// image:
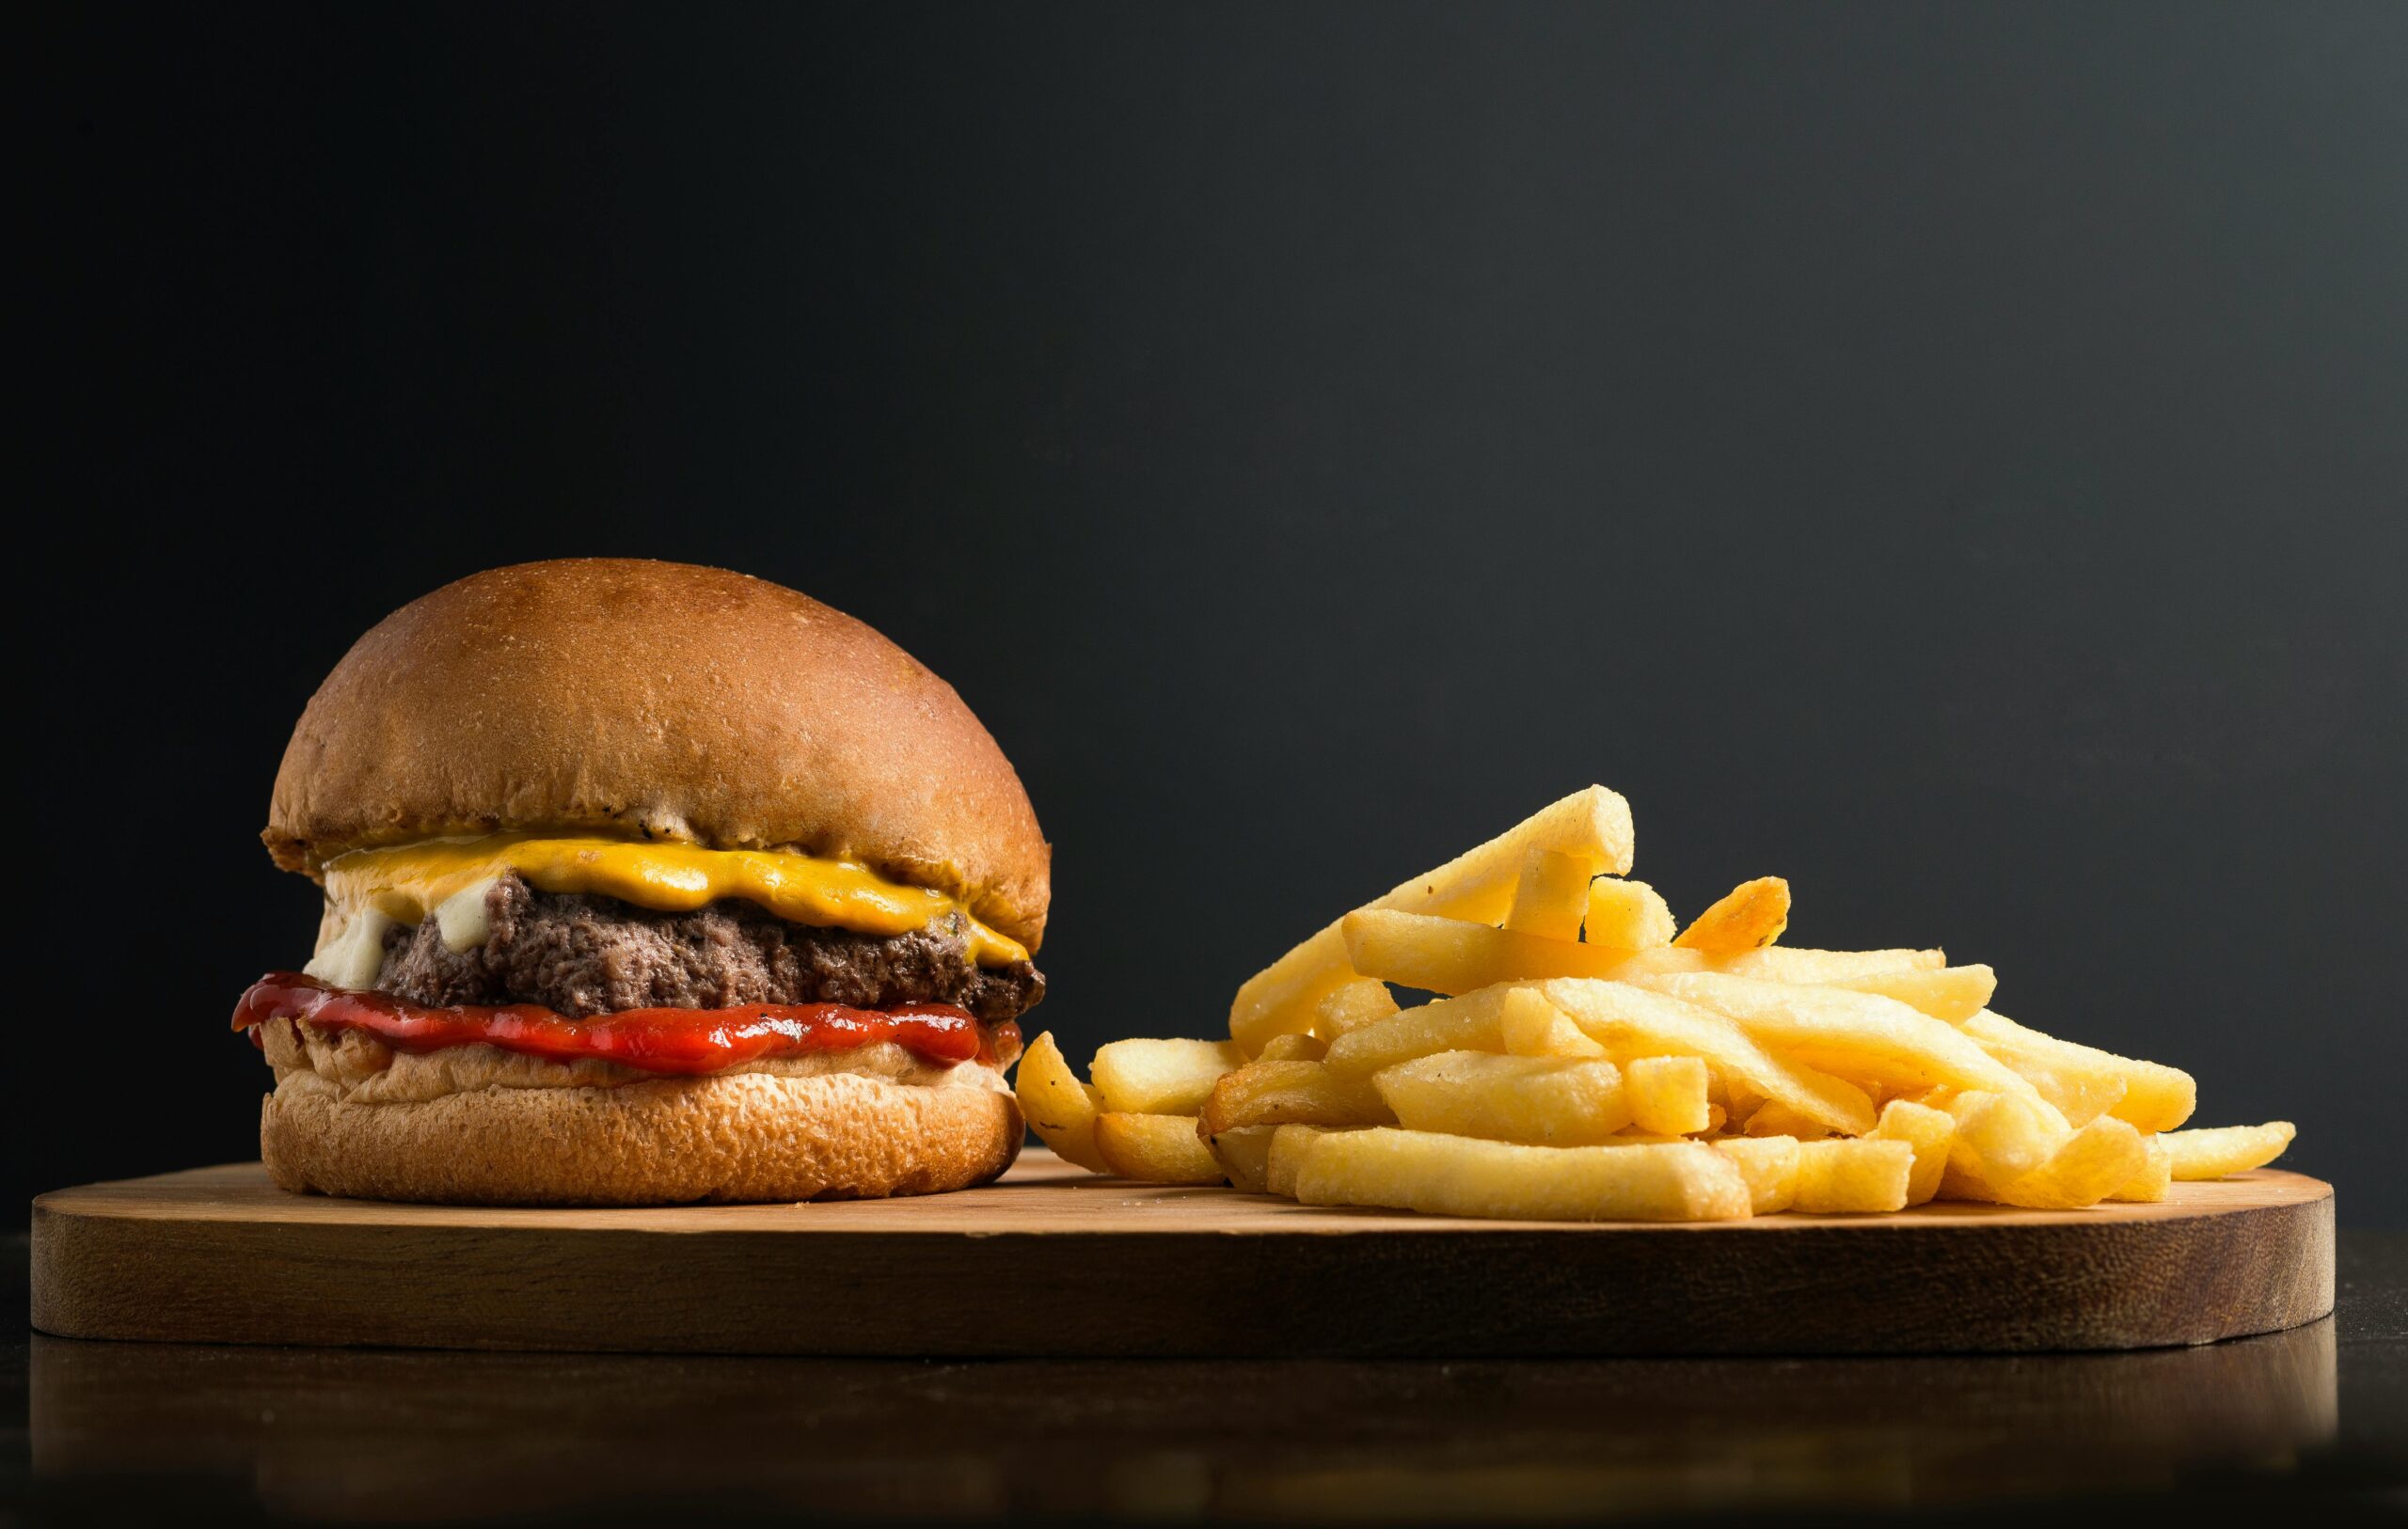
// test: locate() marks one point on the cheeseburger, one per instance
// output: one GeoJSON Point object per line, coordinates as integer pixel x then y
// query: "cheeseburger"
{"type": "Point", "coordinates": [645, 883]}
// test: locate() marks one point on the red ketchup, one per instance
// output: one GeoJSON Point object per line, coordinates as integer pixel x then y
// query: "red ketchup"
{"type": "Point", "coordinates": [683, 1041]}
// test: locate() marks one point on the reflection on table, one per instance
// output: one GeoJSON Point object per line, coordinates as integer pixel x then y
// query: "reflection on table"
{"type": "Point", "coordinates": [388, 1434]}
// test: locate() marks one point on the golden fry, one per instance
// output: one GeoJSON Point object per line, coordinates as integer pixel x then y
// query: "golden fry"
{"type": "Point", "coordinates": [1459, 1175]}
{"type": "Point", "coordinates": [1160, 1149]}
{"type": "Point", "coordinates": [1351, 1005]}
{"type": "Point", "coordinates": [1058, 1108]}
{"type": "Point", "coordinates": [1288, 1144]}
{"type": "Point", "coordinates": [1444, 956]}
{"type": "Point", "coordinates": [1750, 914]}
{"type": "Point", "coordinates": [1950, 994]}
{"type": "Point", "coordinates": [1477, 885]}
{"type": "Point", "coordinates": [1291, 1092]}
{"type": "Point", "coordinates": [1245, 1156]}
{"type": "Point", "coordinates": [1159, 1077]}
{"type": "Point", "coordinates": [2152, 1096]}
{"type": "Point", "coordinates": [1633, 1021]}
{"type": "Point", "coordinates": [1769, 1164]}
{"type": "Point", "coordinates": [1626, 914]}
{"type": "Point", "coordinates": [1930, 1132]}
{"type": "Point", "coordinates": [1866, 1176]}
{"type": "Point", "coordinates": [1667, 1094]}
{"type": "Point", "coordinates": [2214, 1152]}
{"type": "Point", "coordinates": [1552, 897]}
{"type": "Point", "coordinates": [1545, 1101]}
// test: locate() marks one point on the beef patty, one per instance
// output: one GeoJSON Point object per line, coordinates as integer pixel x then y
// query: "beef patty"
{"type": "Point", "coordinates": [583, 956]}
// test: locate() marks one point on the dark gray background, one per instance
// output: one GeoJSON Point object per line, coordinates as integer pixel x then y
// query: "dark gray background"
{"type": "Point", "coordinates": [1951, 456]}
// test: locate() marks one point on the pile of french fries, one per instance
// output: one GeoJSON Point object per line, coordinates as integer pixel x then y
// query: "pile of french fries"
{"type": "Point", "coordinates": [1587, 1060]}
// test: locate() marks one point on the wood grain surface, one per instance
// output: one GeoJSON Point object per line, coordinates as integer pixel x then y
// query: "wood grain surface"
{"type": "Point", "coordinates": [1052, 1262]}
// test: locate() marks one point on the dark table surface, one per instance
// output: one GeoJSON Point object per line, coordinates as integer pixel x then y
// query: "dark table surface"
{"type": "Point", "coordinates": [2313, 1420]}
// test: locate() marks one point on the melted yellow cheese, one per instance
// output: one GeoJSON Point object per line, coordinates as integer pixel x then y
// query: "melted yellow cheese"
{"type": "Point", "coordinates": [413, 882]}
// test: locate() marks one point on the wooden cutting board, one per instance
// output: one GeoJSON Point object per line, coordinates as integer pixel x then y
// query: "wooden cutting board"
{"type": "Point", "coordinates": [1054, 1262]}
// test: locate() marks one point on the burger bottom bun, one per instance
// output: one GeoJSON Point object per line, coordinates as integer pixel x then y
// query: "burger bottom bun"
{"type": "Point", "coordinates": [739, 1137]}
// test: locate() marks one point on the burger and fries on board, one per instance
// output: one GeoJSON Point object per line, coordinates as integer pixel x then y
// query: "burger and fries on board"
{"type": "Point", "coordinates": [1584, 1058]}
{"type": "Point", "coordinates": [648, 884]}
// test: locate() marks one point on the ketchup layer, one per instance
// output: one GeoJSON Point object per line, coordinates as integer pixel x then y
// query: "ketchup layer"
{"type": "Point", "coordinates": [682, 1041]}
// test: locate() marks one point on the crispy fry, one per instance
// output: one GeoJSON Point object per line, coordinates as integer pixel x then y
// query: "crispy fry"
{"type": "Point", "coordinates": [1552, 897]}
{"type": "Point", "coordinates": [1351, 1005]}
{"type": "Point", "coordinates": [1160, 1149]}
{"type": "Point", "coordinates": [1288, 1144]}
{"type": "Point", "coordinates": [1626, 914]}
{"type": "Point", "coordinates": [2000, 1138]}
{"type": "Point", "coordinates": [1245, 1156]}
{"type": "Point", "coordinates": [1952, 994]}
{"type": "Point", "coordinates": [1930, 1132]}
{"type": "Point", "coordinates": [2154, 1098]}
{"type": "Point", "coordinates": [1631, 1022]}
{"type": "Point", "coordinates": [1769, 1164]}
{"type": "Point", "coordinates": [1547, 1101]}
{"type": "Point", "coordinates": [1161, 1078]}
{"type": "Point", "coordinates": [1469, 1023]}
{"type": "Point", "coordinates": [1458, 1175]}
{"type": "Point", "coordinates": [2093, 1163]}
{"type": "Point", "coordinates": [1750, 914]}
{"type": "Point", "coordinates": [2156, 1178]}
{"type": "Point", "coordinates": [1058, 1108]}
{"type": "Point", "coordinates": [1864, 1176]}
{"type": "Point", "coordinates": [1295, 1047]}
{"type": "Point", "coordinates": [1444, 956]}
{"type": "Point", "coordinates": [1477, 885]}
{"type": "Point", "coordinates": [2219, 1150]}
{"type": "Point", "coordinates": [1529, 1026]}
{"type": "Point", "coordinates": [1773, 1118]}
{"type": "Point", "coordinates": [1869, 1040]}
{"type": "Point", "coordinates": [1667, 1094]}
{"type": "Point", "coordinates": [1291, 1092]}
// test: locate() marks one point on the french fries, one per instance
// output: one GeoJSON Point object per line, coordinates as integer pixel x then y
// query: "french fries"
{"type": "Point", "coordinates": [1588, 1059]}
{"type": "Point", "coordinates": [1351, 1005]}
{"type": "Point", "coordinates": [1443, 956]}
{"type": "Point", "coordinates": [1637, 1021]}
{"type": "Point", "coordinates": [1476, 886]}
{"type": "Point", "coordinates": [1931, 1132]}
{"type": "Point", "coordinates": [1954, 993]}
{"type": "Point", "coordinates": [1291, 1094]}
{"type": "Point", "coordinates": [1160, 1149]}
{"type": "Point", "coordinates": [1667, 1094]}
{"type": "Point", "coordinates": [2155, 1180]}
{"type": "Point", "coordinates": [1626, 914]}
{"type": "Point", "coordinates": [1293, 1047]}
{"type": "Point", "coordinates": [1750, 914]}
{"type": "Point", "coordinates": [1457, 1175]}
{"type": "Point", "coordinates": [1545, 1101]}
{"type": "Point", "coordinates": [1852, 1176]}
{"type": "Point", "coordinates": [2225, 1149]}
{"type": "Point", "coordinates": [1529, 1026]}
{"type": "Point", "coordinates": [1159, 1077]}
{"type": "Point", "coordinates": [2150, 1094]}
{"type": "Point", "coordinates": [1552, 898]}
{"type": "Point", "coordinates": [1854, 1034]}
{"type": "Point", "coordinates": [1288, 1147]}
{"type": "Point", "coordinates": [1769, 1164]}
{"type": "Point", "coordinates": [1058, 1108]}
{"type": "Point", "coordinates": [1245, 1155]}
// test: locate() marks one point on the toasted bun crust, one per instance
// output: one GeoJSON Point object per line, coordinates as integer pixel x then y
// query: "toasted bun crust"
{"type": "Point", "coordinates": [680, 702]}
{"type": "Point", "coordinates": [745, 1137]}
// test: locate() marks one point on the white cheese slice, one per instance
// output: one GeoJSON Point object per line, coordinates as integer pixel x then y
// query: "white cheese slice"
{"type": "Point", "coordinates": [351, 951]}
{"type": "Point", "coordinates": [462, 917]}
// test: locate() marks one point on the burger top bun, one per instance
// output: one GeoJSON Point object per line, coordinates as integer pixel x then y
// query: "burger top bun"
{"type": "Point", "coordinates": [661, 699]}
